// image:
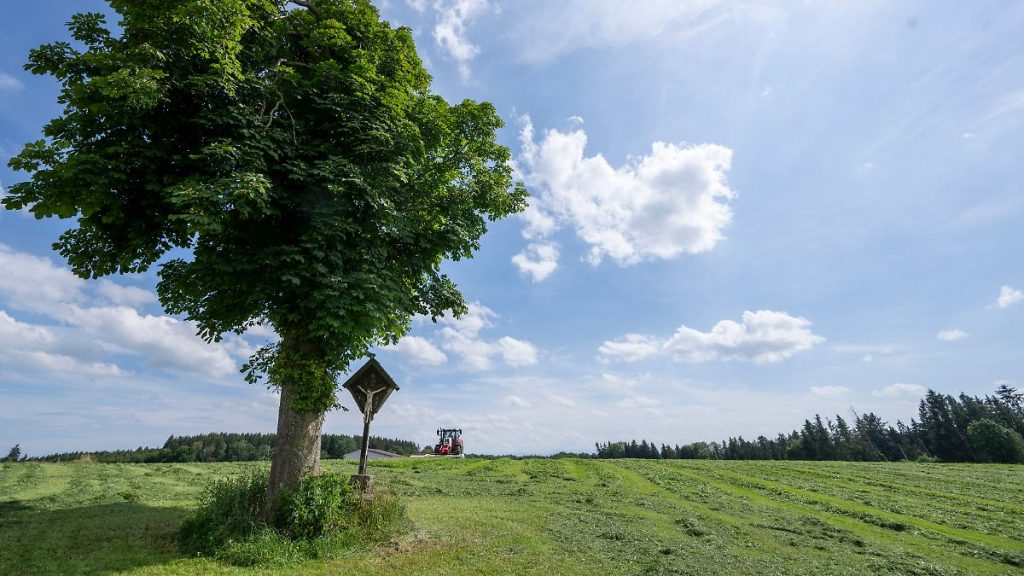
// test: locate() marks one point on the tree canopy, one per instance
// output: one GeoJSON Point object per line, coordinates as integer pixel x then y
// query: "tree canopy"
{"type": "Point", "coordinates": [13, 455]}
{"type": "Point", "coordinates": [281, 164]}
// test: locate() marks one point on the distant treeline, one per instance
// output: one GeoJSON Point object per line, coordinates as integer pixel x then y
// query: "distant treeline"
{"type": "Point", "coordinates": [225, 447]}
{"type": "Point", "coordinates": [948, 429]}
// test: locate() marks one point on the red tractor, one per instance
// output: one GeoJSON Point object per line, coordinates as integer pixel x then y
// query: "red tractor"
{"type": "Point", "coordinates": [449, 442]}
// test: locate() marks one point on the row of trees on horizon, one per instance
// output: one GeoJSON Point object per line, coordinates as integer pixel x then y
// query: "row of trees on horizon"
{"type": "Point", "coordinates": [948, 429]}
{"type": "Point", "coordinates": [228, 447]}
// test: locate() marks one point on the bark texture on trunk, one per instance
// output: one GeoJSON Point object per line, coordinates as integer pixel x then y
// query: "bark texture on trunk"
{"type": "Point", "coordinates": [297, 447]}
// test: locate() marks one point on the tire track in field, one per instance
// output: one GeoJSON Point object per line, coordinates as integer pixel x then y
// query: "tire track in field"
{"type": "Point", "coordinates": [854, 517]}
{"type": "Point", "coordinates": [14, 477]}
{"type": "Point", "coordinates": [32, 481]}
{"type": "Point", "coordinates": [988, 509]}
{"type": "Point", "coordinates": [878, 485]}
{"type": "Point", "coordinates": [984, 508]}
{"type": "Point", "coordinates": [645, 534]}
{"type": "Point", "coordinates": [474, 468]}
{"type": "Point", "coordinates": [923, 548]}
{"type": "Point", "coordinates": [549, 469]}
{"type": "Point", "coordinates": [962, 479]}
{"type": "Point", "coordinates": [461, 478]}
{"type": "Point", "coordinates": [769, 545]}
{"type": "Point", "coordinates": [497, 468]}
{"type": "Point", "coordinates": [856, 507]}
{"type": "Point", "coordinates": [876, 557]}
{"type": "Point", "coordinates": [582, 473]}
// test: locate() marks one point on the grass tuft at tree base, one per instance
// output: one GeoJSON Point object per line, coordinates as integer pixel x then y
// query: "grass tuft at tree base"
{"type": "Point", "coordinates": [322, 518]}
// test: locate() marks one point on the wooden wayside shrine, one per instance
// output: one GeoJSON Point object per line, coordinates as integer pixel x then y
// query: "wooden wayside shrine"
{"type": "Point", "coordinates": [370, 387]}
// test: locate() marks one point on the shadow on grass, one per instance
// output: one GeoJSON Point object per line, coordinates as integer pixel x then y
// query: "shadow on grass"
{"type": "Point", "coordinates": [99, 539]}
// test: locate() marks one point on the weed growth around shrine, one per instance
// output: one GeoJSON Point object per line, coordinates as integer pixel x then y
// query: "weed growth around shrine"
{"type": "Point", "coordinates": [323, 518]}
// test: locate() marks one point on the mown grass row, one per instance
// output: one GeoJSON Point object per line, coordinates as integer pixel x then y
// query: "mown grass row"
{"type": "Point", "coordinates": [542, 516]}
{"type": "Point", "coordinates": [879, 540]}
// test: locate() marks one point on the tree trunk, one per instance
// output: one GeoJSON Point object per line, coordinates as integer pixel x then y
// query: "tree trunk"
{"type": "Point", "coordinates": [296, 449]}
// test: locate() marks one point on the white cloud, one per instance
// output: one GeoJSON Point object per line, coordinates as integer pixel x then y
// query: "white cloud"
{"type": "Point", "coordinates": [476, 319]}
{"type": "Point", "coordinates": [461, 336]}
{"type": "Point", "coordinates": [417, 5]}
{"type": "Point", "coordinates": [40, 286]}
{"type": "Point", "coordinates": [18, 334]}
{"type": "Point", "coordinates": [900, 390]}
{"type": "Point", "coordinates": [87, 336]}
{"type": "Point", "coordinates": [538, 224]}
{"type": "Point", "coordinates": [952, 335]}
{"type": "Point", "coordinates": [517, 352]}
{"type": "Point", "coordinates": [124, 295]}
{"type": "Point", "coordinates": [968, 135]}
{"type": "Point", "coordinates": [9, 83]}
{"type": "Point", "coordinates": [1009, 296]}
{"type": "Point", "coordinates": [660, 205]}
{"type": "Point", "coordinates": [619, 382]}
{"type": "Point", "coordinates": [419, 350]}
{"type": "Point", "coordinates": [548, 30]}
{"type": "Point", "coordinates": [829, 391]}
{"type": "Point", "coordinates": [450, 30]}
{"type": "Point", "coordinates": [476, 354]}
{"type": "Point", "coordinates": [516, 401]}
{"type": "Point", "coordinates": [631, 348]}
{"type": "Point", "coordinates": [238, 347]}
{"type": "Point", "coordinates": [29, 347]}
{"type": "Point", "coordinates": [33, 283]}
{"type": "Point", "coordinates": [560, 400]}
{"type": "Point", "coordinates": [163, 342]}
{"type": "Point", "coordinates": [761, 337]}
{"type": "Point", "coordinates": [638, 402]}
{"type": "Point", "coordinates": [538, 260]}
{"type": "Point", "coordinates": [768, 90]}
{"type": "Point", "coordinates": [263, 331]}
{"type": "Point", "coordinates": [51, 362]}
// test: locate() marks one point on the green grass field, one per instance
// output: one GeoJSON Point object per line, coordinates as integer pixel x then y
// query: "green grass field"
{"type": "Point", "coordinates": [550, 517]}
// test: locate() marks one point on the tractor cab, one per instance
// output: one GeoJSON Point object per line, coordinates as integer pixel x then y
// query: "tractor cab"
{"type": "Point", "coordinates": [449, 442]}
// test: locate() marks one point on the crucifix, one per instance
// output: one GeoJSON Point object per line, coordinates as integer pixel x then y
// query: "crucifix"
{"type": "Point", "coordinates": [367, 417]}
{"type": "Point", "coordinates": [370, 387]}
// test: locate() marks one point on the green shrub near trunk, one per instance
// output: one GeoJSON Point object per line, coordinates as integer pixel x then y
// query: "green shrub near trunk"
{"type": "Point", "coordinates": [323, 517]}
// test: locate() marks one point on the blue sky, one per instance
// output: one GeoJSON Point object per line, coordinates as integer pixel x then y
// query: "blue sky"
{"type": "Point", "coordinates": [742, 214]}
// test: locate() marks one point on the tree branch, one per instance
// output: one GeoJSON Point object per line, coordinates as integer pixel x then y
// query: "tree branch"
{"type": "Point", "coordinates": [272, 110]}
{"type": "Point", "coordinates": [308, 5]}
{"type": "Point", "coordinates": [295, 138]}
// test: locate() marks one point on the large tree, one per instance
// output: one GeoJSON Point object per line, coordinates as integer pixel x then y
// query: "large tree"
{"type": "Point", "coordinates": [282, 163]}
